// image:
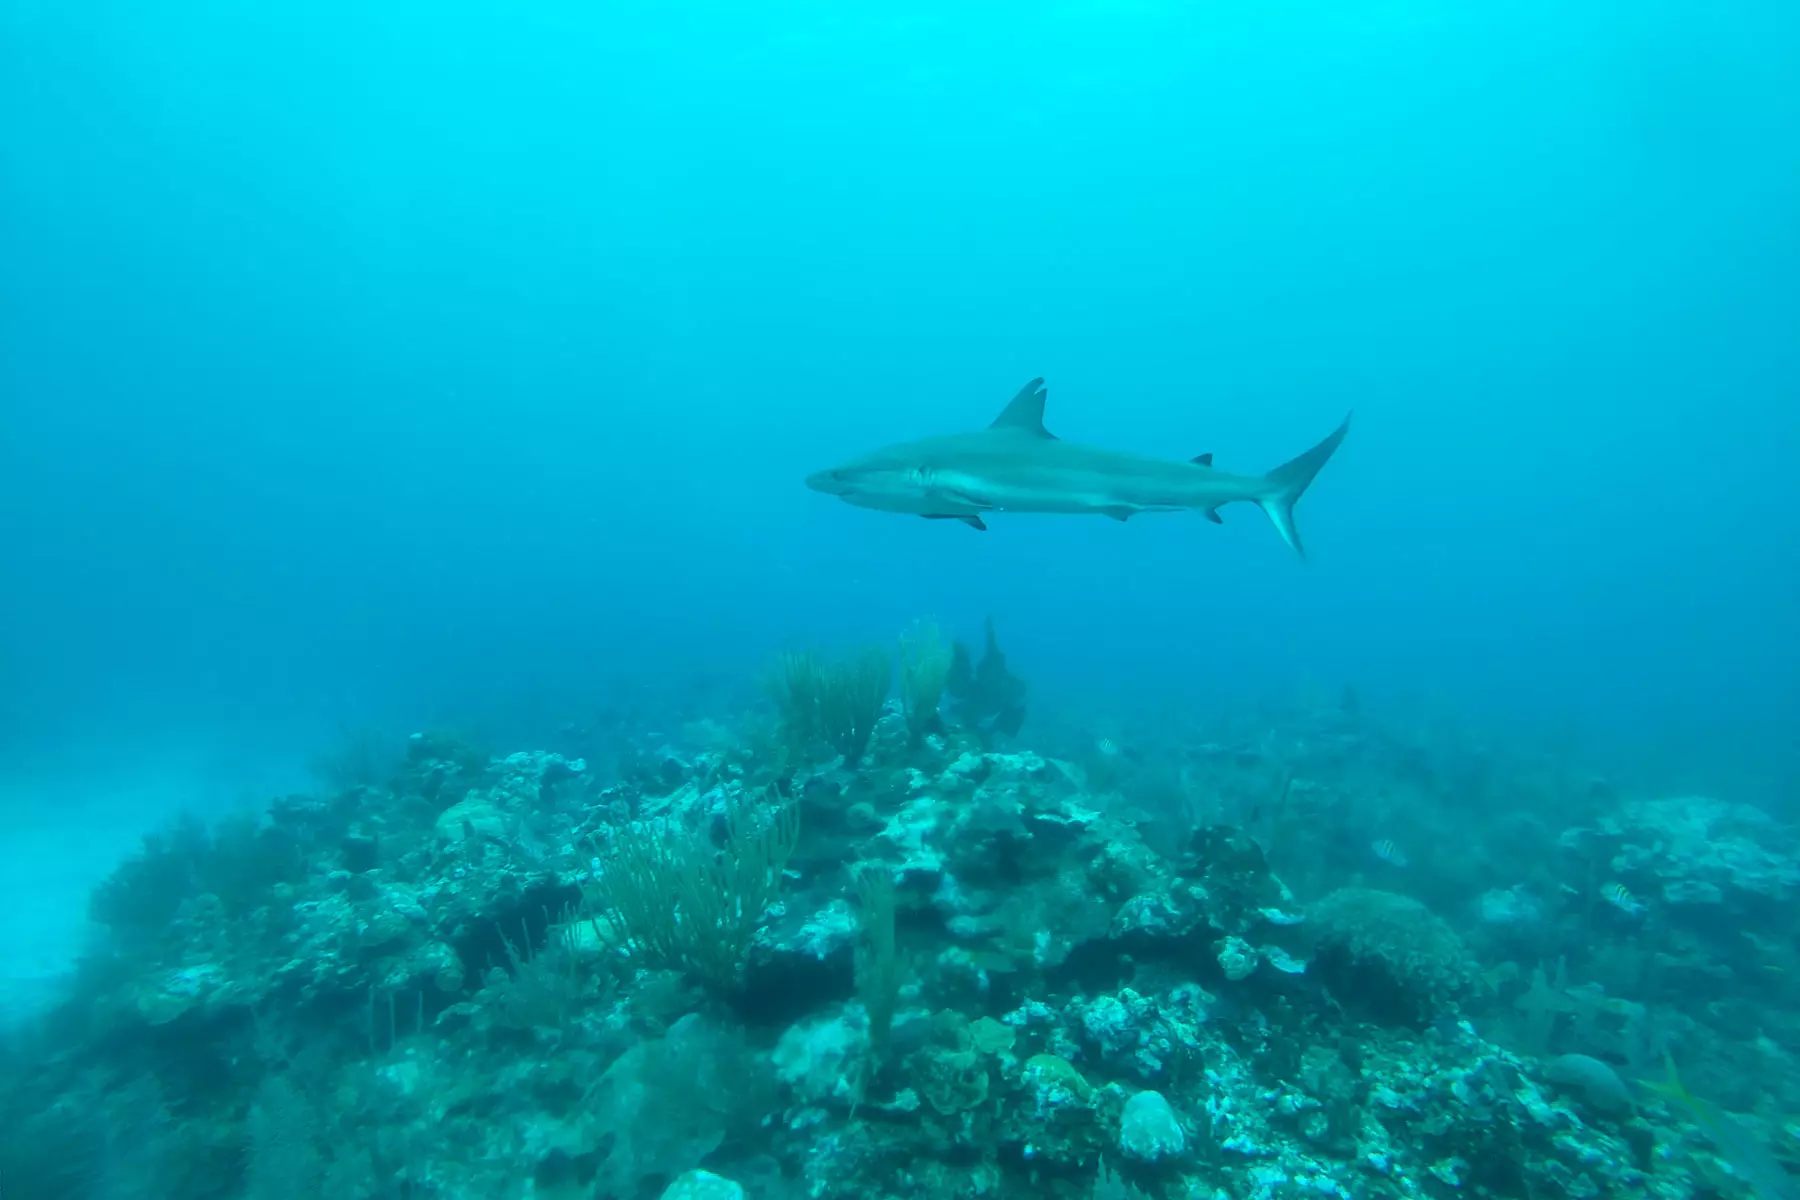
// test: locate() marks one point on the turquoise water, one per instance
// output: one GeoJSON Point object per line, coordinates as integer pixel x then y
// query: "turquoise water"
{"type": "Point", "coordinates": [375, 369]}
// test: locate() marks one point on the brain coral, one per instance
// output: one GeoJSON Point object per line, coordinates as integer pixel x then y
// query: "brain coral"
{"type": "Point", "coordinates": [1388, 952]}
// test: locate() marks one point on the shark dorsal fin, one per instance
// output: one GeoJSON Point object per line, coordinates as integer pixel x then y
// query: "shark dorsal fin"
{"type": "Point", "coordinates": [1026, 412]}
{"type": "Point", "coordinates": [1202, 460]}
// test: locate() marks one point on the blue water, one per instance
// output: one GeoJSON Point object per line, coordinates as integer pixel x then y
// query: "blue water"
{"type": "Point", "coordinates": [385, 364]}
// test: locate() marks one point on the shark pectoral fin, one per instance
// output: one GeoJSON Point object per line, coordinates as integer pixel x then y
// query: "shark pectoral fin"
{"type": "Point", "coordinates": [1025, 414]}
{"type": "Point", "coordinates": [1212, 514]}
{"type": "Point", "coordinates": [1202, 460]}
{"type": "Point", "coordinates": [973, 522]}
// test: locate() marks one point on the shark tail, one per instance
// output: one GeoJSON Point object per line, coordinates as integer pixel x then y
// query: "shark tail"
{"type": "Point", "coordinates": [1288, 482]}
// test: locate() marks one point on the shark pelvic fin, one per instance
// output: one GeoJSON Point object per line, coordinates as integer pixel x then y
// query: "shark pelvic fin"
{"type": "Point", "coordinates": [1212, 514]}
{"type": "Point", "coordinates": [973, 522]}
{"type": "Point", "coordinates": [1288, 482]}
{"type": "Point", "coordinates": [1025, 414]}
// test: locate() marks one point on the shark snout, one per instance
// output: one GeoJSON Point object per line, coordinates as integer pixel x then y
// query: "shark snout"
{"type": "Point", "coordinates": [831, 483]}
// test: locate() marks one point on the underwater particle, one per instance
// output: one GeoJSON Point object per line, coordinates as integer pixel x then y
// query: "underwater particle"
{"type": "Point", "coordinates": [1388, 852]}
{"type": "Point", "coordinates": [1620, 897]}
{"type": "Point", "coordinates": [703, 1185]}
{"type": "Point", "coordinates": [1149, 1129]}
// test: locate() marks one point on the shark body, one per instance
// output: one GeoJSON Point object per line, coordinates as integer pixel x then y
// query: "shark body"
{"type": "Point", "coordinates": [1016, 465]}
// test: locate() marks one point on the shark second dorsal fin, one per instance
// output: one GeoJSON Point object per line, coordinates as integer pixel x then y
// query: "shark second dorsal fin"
{"type": "Point", "coordinates": [1026, 412]}
{"type": "Point", "coordinates": [1202, 460]}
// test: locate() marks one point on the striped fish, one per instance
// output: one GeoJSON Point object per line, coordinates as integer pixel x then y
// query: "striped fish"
{"type": "Point", "coordinates": [1389, 853]}
{"type": "Point", "coordinates": [1620, 897]}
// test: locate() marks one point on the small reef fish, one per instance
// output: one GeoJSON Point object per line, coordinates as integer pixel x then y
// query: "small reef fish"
{"type": "Point", "coordinates": [1620, 897]}
{"type": "Point", "coordinates": [1389, 853]}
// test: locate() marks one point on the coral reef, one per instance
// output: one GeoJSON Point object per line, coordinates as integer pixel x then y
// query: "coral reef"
{"type": "Point", "coordinates": [884, 954]}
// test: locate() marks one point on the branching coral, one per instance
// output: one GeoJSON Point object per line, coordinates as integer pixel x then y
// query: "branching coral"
{"type": "Point", "coordinates": [836, 703]}
{"type": "Point", "coordinates": [672, 898]}
{"type": "Point", "coordinates": [925, 660]}
{"type": "Point", "coordinates": [877, 961]}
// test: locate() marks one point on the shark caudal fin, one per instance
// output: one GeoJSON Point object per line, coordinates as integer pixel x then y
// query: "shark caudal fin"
{"type": "Point", "coordinates": [1288, 482]}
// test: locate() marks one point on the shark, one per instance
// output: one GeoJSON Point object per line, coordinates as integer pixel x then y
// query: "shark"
{"type": "Point", "coordinates": [1015, 465]}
